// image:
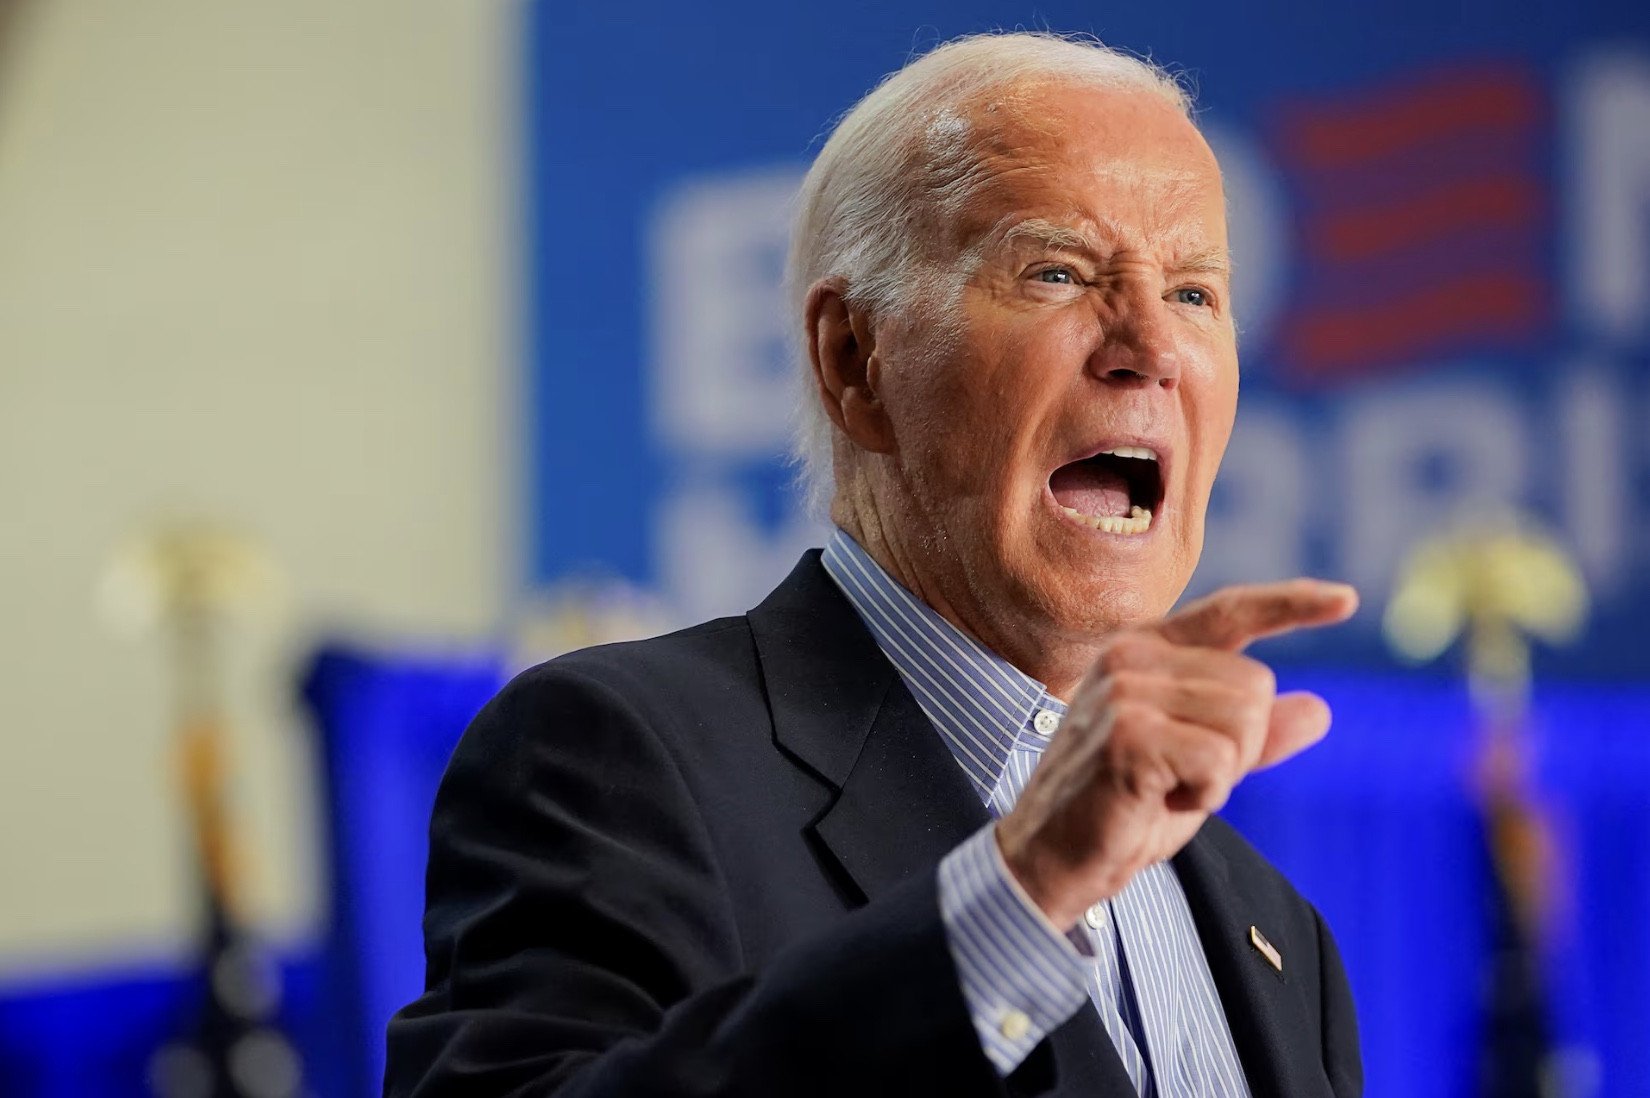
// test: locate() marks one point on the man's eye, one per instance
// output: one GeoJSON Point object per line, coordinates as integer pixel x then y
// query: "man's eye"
{"type": "Point", "coordinates": [1191, 295]}
{"type": "Point", "coordinates": [1057, 276]}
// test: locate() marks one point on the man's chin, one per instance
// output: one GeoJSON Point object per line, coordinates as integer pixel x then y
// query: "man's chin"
{"type": "Point", "coordinates": [1086, 605]}
{"type": "Point", "coordinates": [1116, 608]}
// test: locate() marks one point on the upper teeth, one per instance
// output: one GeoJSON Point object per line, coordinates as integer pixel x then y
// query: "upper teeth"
{"type": "Point", "coordinates": [1132, 452]}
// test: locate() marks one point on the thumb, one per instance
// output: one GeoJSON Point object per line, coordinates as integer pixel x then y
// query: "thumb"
{"type": "Point", "coordinates": [1299, 720]}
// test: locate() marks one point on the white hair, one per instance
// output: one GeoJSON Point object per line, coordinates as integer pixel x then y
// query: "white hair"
{"type": "Point", "coordinates": [902, 152]}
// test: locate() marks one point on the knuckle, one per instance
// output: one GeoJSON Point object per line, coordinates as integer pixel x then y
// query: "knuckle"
{"type": "Point", "coordinates": [1132, 716]}
{"type": "Point", "coordinates": [1122, 688]}
{"type": "Point", "coordinates": [1251, 709]}
{"type": "Point", "coordinates": [1259, 678]}
{"type": "Point", "coordinates": [1209, 759]}
{"type": "Point", "coordinates": [1126, 650]}
{"type": "Point", "coordinates": [1225, 757]}
{"type": "Point", "coordinates": [1134, 769]}
{"type": "Point", "coordinates": [1150, 782]}
{"type": "Point", "coordinates": [1215, 798]}
{"type": "Point", "coordinates": [1194, 695]}
{"type": "Point", "coordinates": [1217, 773]}
{"type": "Point", "coordinates": [1225, 608]}
{"type": "Point", "coordinates": [1207, 797]}
{"type": "Point", "coordinates": [1126, 693]}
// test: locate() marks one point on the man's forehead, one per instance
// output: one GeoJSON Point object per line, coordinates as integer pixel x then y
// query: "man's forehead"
{"type": "Point", "coordinates": [1068, 116]}
{"type": "Point", "coordinates": [1187, 176]}
{"type": "Point", "coordinates": [1117, 168]}
{"type": "Point", "coordinates": [1117, 203]}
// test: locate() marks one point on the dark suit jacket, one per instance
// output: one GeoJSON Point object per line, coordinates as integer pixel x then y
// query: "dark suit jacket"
{"type": "Point", "coordinates": [705, 865]}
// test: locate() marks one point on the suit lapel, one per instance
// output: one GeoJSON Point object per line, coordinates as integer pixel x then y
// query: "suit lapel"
{"type": "Point", "coordinates": [905, 804]}
{"type": "Point", "coordinates": [902, 803]}
{"type": "Point", "coordinates": [1262, 1006]}
{"type": "Point", "coordinates": [841, 710]}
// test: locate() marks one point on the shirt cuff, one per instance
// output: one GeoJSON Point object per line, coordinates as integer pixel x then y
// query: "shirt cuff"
{"type": "Point", "coordinates": [1021, 978]}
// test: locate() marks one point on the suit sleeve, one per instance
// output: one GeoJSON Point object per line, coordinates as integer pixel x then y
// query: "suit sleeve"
{"type": "Point", "coordinates": [580, 943]}
{"type": "Point", "coordinates": [1341, 1059]}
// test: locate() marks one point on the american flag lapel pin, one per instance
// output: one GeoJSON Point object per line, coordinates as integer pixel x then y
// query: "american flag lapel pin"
{"type": "Point", "coordinates": [1265, 949]}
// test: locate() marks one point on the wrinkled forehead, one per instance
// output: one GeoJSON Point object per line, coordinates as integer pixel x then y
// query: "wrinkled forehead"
{"type": "Point", "coordinates": [1123, 164]}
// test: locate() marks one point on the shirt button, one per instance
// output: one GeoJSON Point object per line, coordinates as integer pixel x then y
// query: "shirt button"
{"type": "Point", "coordinates": [1014, 1025]}
{"type": "Point", "coordinates": [1095, 916]}
{"type": "Point", "coordinates": [1045, 722]}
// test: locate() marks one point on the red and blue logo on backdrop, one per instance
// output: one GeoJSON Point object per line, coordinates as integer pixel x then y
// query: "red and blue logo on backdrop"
{"type": "Point", "coordinates": [1423, 221]}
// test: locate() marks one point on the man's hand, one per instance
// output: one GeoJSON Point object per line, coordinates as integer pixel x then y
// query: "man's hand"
{"type": "Point", "coordinates": [1170, 718]}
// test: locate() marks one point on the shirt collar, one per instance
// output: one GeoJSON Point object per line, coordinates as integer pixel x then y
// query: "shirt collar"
{"type": "Point", "coordinates": [982, 705]}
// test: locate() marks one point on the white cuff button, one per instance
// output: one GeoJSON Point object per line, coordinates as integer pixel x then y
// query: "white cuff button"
{"type": "Point", "coordinates": [1014, 1025]}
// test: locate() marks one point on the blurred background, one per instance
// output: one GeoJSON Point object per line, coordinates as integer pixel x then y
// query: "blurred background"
{"type": "Point", "coordinates": [354, 355]}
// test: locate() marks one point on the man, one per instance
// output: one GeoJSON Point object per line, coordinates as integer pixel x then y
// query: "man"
{"type": "Point", "coordinates": [935, 817]}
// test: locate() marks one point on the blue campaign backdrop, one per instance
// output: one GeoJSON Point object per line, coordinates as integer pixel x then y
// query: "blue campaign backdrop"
{"type": "Point", "coordinates": [1441, 225]}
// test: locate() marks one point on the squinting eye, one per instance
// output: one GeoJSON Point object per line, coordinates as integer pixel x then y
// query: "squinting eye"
{"type": "Point", "coordinates": [1056, 276]}
{"type": "Point", "coordinates": [1191, 295]}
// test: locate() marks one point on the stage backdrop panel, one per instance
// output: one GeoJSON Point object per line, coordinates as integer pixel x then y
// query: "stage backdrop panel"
{"type": "Point", "coordinates": [1441, 225]}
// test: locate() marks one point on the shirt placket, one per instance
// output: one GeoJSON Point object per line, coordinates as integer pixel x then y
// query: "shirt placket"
{"type": "Point", "coordinates": [1114, 999]}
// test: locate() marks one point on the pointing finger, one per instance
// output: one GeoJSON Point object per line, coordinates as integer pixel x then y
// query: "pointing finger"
{"type": "Point", "coordinates": [1232, 617]}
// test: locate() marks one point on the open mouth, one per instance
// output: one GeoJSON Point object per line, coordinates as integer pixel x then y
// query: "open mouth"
{"type": "Point", "coordinates": [1115, 491]}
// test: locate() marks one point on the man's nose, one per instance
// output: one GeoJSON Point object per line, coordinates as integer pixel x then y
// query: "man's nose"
{"type": "Point", "coordinates": [1139, 349]}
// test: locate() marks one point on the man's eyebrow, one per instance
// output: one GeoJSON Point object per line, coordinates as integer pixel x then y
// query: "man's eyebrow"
{"type": "Point", "coordinates": [1211, 261]}
{"type": "Point", "coordinates": [1048, 233]}
{"type": "Point", "coordinates": [1053, 234]}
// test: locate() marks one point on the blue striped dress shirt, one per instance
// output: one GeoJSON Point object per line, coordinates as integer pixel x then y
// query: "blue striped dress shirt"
{"type": "Point", "coordinates": [1135, 957]}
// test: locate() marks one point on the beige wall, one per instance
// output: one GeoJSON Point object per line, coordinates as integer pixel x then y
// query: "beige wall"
{"type": "Point", "coordinates": [253, 264]}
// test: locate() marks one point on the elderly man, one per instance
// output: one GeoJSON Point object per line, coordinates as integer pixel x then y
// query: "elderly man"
{"type": "Point", "coordinates": [934, 818]}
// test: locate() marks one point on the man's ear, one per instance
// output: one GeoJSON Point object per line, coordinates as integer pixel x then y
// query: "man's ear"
{"type": "Point", "coordinates": [842, 351]}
